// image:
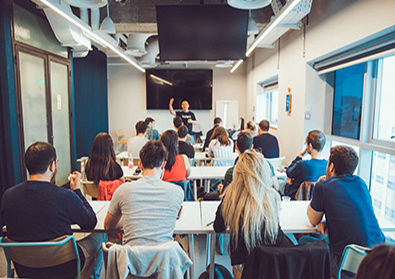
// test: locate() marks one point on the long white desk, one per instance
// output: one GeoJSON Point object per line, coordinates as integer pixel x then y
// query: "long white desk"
{"type": "Point", "coordinates": [195, 217]}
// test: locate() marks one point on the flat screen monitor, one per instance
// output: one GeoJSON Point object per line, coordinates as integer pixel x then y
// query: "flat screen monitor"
{"type": "Point", "coordinates": [201, 32]}
{"type": "Point", "coordinates": [195, 86]}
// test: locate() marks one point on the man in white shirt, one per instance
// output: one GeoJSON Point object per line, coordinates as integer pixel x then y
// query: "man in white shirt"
{"type": "Point", "coordinates": [137, 142]}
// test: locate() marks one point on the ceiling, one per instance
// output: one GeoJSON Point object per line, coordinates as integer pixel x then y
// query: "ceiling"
{"type": "Point", "coordinates": [139, 16]}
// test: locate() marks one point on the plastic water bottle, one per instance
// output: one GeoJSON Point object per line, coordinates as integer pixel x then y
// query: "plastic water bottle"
{"type": "Point", "coordinates": [130, 161]}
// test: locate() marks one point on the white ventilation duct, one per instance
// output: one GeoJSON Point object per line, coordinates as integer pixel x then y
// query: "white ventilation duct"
{"type": "Point", "coordinates": [248, 4]}
{"type": "Point", "coordinates": [149, 60]}
{"type": "Point", "coordinates": [136, 44]}
{"type": "Point", "coordinates": [67, 34]}
{"type": "Point", "coordinates": [87, 3]}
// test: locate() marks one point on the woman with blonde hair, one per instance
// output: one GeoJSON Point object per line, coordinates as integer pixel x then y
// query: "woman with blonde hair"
{"type": "Point", "coordinates": [250, 209]}
{"type": "Point", "coordinates": [221, 146]}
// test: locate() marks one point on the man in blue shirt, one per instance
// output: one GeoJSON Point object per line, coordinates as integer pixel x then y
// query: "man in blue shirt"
{"type": "Point", "coordinates": [345, 200]}
{"type": "Point", "coordinates": [306, 170]}
{"type": "Point", "coordinates": [152, 133]}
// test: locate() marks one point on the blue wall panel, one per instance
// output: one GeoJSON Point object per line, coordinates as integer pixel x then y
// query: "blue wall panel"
{"type": "Point", "coordinates": [90, 99]}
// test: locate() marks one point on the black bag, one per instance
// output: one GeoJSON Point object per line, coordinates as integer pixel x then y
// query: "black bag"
{"type": "Point", "coordinates": [220, 272]}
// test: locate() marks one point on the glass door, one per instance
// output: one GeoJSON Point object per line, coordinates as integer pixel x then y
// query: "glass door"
{"type": "Point", "coordinates": [60, 118]}
{"type": "Point", "coordinates": [44, 107]}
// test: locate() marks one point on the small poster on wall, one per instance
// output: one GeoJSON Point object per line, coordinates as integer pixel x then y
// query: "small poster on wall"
{"type": "Point", "coordinates": [288, 101]}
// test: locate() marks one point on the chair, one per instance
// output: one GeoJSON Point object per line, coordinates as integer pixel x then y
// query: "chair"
{"type": "Point", "coordinates": [276, 162]}
{"type": "Point", "coordinates": [90, 188]}
{"type": "Point", "coordinates": [120, 140]}
{"type": "Point", "coordinates": [297, 262]}
{"type": "Point", "coordinates": [352, 256]}
{"type": "Point", "coordinates": [81, 164]}
{"type": "Point", "coordinates": [215, 162]}
{"type": "Point", "coordinates": [305, 191]}
{"type": "Point", "coordinates": [186, 185]}
{"type": "Point", "coordinates": [166, 260]}
{"type": "Point", "coordinates": [41, 254]}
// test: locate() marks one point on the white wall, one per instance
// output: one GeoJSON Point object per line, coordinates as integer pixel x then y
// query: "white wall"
{"type": "Point", "coordinates": [331, 26]}
{"type": "Point", "coordinates": [127, 98]}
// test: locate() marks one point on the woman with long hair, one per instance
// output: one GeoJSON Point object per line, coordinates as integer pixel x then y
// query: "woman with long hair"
{"type": "Point", "coordinates": [177, 166]}
{"type": "Point", "coordinates": [221, 146]}
{"type": "Point", "coordinates": [250, 209]}
{"type": "Point", "coordinates": [102, 163]}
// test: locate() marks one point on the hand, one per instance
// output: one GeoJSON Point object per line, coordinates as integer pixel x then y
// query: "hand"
{"type": "Point", "coordinates": [303, 153]}
{"type": "Point", "coordinates": [321, 178]}
{"type": "Point", "coordinates": [190, 120]}
{"type": "Point", "coordinates": [171, 101]}
{"type": "Point", "coordinates": [289, 181]}
{"type": "Point", "coordinates": [220, 188]}
{"type": "Point", "coordinates": [75, 182]}
{"type": "Point", "coordinates": [322, 228]}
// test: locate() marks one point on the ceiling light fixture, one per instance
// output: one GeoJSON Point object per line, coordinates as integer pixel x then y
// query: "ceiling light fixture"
{"type": "Point", "coordinates": [249, 4]}
{"type": "Point", "coordinates": [91, 35]}
{"type": "Point", "coordinates": [236, 66]}
{"type": "Point", "coordinates": [288, 7]}
{"type": "Point", "coordinates": [107, 24]}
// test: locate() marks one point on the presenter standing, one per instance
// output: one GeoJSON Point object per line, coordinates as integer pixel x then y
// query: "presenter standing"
{"type": "Point", "coordinates": [187, 116]}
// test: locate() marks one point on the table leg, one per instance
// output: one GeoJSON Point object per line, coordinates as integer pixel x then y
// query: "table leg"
{"type": "Point", "coordinates": [195, 189]}
{"type": "Point", "coordinates": [208, 185]}
{"type": "Point", "coordinates": [191, 251]}
{"type": "Point", "coordinates": [212, 256]}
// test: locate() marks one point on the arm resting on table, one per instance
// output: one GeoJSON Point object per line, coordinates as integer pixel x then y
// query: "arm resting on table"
{"type": "Point", "coordinates": [112, 222]}
{"type": "Point", "coordinates": [315, 217]}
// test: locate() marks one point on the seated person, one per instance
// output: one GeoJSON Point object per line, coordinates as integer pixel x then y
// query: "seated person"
{"type": "Point", "coordinates": [38, 210]}
{"type": "Point", "coordinates": [249, 223]}
{"type": "Point", "coordinates": [177, 166]}
{"type": "Point", "coordinates": [102, 163]}
{"type": "Point", "coordinates": [345, 200]}
{"type": "Point", "coordinates": [250, 128]}
{"type": "Point", "coordinates": [177, 122]}
{"type": "Point", "coordinates": [378, 263]}
{"type": "Point", "coordinates": [184, 148]}
{"type": "Point", "coordinates": [147, 208]}
{"type": "Point", "coordinates": [266, 143]}
{"type": "Point", "coordinates": [221, 146]}
{"type": "Point", "coordinates": [152, 133]}
{"type": "Point", "coordinates": [137, 142]}
{"type": "Point", "coordinates": [243, 143]}
{"type": "Point", "coordinates": [306, 170]}
{"type": "Point", "coordinates": [217, 122]}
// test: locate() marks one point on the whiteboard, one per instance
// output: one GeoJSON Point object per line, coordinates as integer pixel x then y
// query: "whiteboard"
{"type": "Point", "coordinates": [228, 110]}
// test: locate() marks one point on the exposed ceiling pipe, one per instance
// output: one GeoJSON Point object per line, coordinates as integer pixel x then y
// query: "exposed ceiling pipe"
{"type": "Point", "coordinates": [136, 44]}
{"type": "Point", "coordinates": [149, 60]}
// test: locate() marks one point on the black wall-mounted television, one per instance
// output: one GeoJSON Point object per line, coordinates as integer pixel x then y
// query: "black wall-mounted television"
{"type": "Point", "coordinates": [195, 86]}
{"type": "Point", "coordinates": [201, 32]}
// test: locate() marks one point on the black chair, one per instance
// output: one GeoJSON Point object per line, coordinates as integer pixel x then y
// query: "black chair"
{"type": "Point", "coordinates": [298, 262]}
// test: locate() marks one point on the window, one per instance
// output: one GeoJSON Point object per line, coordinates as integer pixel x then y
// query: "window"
{"type": "Point", "coordinates": [364, 118]}
{"type": "Point", "coordinates": [267, 103]}
{"type": "Point", "coordinates": [384, 116]}
{"type": "Point", "coordinates": [347, 102]}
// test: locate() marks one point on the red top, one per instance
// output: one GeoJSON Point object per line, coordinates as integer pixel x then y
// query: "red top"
{"type": "Point", "coordinates": [178, 172]}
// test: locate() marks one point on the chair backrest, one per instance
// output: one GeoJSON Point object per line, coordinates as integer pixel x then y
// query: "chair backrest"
{"type": "Point", "coordinates": [41, 254]}
{"type": "Point", "coordinates": [305, 191]}
{"type": "Point", "coordinates": [311, 260]}
{"type": "Point", "coordinates": [90, 188]}
{"type": "Point", "coordinates": [215, 162]}
{"type": "Point", "coordinates": [352, 256]}
{"type": "Point", "coordinates": [276, 162]}
{"type": "Point", "coordinates": [120, 134]}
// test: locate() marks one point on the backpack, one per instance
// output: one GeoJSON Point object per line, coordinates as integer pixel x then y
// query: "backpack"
{"type": "Point", "coordinates": [220, 272]}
